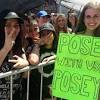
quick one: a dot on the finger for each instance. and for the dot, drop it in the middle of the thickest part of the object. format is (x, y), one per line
(5, 32)
(36, 38)
(12, 61)
(11, 33)
(6, 35)
(44, 60)
(16, 57)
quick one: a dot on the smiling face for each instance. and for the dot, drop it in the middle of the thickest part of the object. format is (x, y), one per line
(12, 26)
(61, 22)
(92, 19)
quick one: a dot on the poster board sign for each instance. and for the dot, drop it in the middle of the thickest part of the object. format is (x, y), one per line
(77, 68)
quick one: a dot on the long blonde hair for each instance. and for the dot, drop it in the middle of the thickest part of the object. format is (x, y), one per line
(57, 28)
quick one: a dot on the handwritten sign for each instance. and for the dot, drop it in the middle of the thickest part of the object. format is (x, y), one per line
(77, 68)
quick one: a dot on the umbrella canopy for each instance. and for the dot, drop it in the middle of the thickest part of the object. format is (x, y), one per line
(19, 5)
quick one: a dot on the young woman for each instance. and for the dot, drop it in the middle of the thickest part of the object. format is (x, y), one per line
(89, 22)
(72, 21)
(31, 45)
(12, 55)
(47, 52)
(31, 34)
(61, 24)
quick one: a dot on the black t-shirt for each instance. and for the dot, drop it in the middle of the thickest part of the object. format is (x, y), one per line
(5, 82)
(44, 53)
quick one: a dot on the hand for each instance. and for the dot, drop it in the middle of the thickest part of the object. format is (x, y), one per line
(49, 58)
(35, 37)
(9, 40)
(46, 60)
(19, 62)
(36, 40)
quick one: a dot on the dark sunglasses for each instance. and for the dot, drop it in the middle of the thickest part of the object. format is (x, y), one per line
(44, 33)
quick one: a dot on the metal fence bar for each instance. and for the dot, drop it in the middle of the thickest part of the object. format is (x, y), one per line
(11, 87)
(28, 77)
(18, 71)
(41, 86)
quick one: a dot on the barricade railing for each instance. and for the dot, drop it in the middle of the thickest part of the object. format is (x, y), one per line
(25, 69)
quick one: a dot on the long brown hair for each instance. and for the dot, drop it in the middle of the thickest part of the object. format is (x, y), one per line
(81, 26)
(17, 48)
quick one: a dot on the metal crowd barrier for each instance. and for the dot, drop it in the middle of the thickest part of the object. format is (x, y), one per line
(28, 69)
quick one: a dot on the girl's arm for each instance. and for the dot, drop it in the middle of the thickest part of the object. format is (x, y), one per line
(3, 54)
(34, 55)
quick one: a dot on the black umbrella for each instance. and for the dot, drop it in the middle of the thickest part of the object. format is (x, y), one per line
(19, 5)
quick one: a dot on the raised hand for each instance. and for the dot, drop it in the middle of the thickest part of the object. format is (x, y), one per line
(9, 40)
(19, 62)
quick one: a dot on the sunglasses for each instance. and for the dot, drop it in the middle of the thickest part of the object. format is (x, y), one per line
(44, 33)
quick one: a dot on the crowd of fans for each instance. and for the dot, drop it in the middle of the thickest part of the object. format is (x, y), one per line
(31, 39)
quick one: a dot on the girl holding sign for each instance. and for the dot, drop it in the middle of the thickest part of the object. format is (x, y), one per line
(89, 22)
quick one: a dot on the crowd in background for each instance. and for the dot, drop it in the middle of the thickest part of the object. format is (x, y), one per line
(31, 39)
